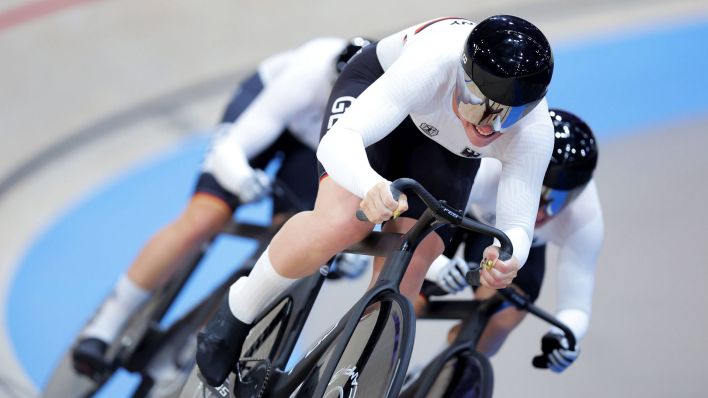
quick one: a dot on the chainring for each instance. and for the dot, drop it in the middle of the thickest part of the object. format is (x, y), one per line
(252, 377)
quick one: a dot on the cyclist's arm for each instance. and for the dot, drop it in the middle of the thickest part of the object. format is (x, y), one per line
(373, 115)
(524, 161)
(483, 197)
(283, 98)
(580, 231)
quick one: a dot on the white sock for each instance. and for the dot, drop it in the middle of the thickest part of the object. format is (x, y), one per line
(110, 318)
(250, 295)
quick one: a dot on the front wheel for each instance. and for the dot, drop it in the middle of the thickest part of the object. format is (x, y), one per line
(377, 353)
(466, 374)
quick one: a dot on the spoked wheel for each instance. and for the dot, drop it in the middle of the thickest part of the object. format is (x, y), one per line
(467, 374)
(376, 355)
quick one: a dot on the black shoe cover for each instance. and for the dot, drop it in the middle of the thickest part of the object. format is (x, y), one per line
(89, 356)
(219, 345)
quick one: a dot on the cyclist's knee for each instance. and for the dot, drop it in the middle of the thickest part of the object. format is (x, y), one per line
(199, 223)
(506, 320)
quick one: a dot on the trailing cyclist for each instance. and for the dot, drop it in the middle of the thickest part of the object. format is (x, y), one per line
(425, 103)
(569, 217)
(277, 110)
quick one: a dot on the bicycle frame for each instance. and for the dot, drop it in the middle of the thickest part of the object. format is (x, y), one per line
(387, 283)
(475, 315)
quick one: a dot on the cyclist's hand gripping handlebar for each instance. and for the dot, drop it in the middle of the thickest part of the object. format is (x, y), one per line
(451, 216)
(394, 192)
(558, 351)
(523, 303)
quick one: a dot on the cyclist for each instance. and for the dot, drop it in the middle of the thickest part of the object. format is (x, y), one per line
(424, 103)
(569, 216)
(278, 109)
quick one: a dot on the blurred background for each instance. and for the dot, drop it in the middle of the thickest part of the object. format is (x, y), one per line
(104, 112)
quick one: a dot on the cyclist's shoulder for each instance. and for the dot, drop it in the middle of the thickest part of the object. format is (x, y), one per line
(532, 137)
(583, 215)
(309, 63)
(424, 45)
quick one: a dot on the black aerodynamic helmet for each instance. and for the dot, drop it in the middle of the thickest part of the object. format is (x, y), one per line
(574, 153)
(507, 62)
(353, 48)
(572, 163)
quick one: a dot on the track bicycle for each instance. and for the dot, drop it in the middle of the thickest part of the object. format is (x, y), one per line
(460, 370)
(365, 353)
(163, 356)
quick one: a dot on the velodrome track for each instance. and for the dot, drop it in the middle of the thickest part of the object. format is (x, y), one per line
(102, 107)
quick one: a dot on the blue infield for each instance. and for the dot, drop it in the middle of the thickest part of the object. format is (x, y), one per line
(619, 86)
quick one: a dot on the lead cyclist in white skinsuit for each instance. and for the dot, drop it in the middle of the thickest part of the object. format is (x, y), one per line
(424, 103)
(569, 217)
(277, 110)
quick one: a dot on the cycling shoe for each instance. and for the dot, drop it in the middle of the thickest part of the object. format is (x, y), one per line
(89, 356)
(219, 345)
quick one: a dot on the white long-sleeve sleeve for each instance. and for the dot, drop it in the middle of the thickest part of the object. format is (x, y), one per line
(371, 117)
(578, 231)
(297, 82)
(524, 160)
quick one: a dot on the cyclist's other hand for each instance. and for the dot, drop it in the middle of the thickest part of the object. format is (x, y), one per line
(378, 205)
(502, 272)
(449, 274)
(556, 355)
(253, 187)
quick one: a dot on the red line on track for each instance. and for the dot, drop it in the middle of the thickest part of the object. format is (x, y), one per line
(27, 12)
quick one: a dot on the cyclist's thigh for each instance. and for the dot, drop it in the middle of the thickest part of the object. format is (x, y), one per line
(315, 236)
(207, 212)
(208, 187)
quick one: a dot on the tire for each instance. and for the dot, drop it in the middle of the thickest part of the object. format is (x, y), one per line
(65, 382)
(467, 374)
(375, 354)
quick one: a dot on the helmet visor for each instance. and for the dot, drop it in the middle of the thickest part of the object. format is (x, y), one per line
(480, 110)
(553, 201)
